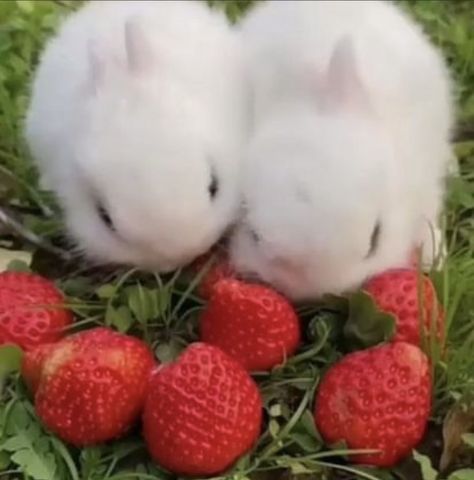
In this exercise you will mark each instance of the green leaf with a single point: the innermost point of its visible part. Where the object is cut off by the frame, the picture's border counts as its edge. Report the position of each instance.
(105, 291)
(427, 470)
(18, 266)
(324, 321)
(4, 460)
(164, 299)
(147, 304)
(120, 317)
(273, 428)
(92, 466)
(167, 352)
(18, 419)
(29, 448)
(38, 467)
(275, 410)
(14, 260)
(308, 424)
(306, 442)
(464, 474)
(468, 439)
(10, 359)
(367, 326)
(62, 451)
(26, 5)
(24, 439)
(243, 463)
(143, 303)
(305, 435)
(77, 286)
(298, 468)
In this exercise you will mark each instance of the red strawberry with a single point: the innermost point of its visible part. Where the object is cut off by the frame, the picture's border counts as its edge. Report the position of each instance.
(219, 270)
(377, 399)
(91, 386)
(396, 292)
(252, 323)
(30, 310)
(202, 412)
(32, 365)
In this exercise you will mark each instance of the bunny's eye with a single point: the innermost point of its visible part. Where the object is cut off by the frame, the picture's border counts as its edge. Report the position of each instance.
(213, 186)
(105, 217)
(253, 234)
(374, 240)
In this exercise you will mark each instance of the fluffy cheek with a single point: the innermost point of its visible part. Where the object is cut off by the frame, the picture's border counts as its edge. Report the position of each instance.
(245, 255)
(253, 261)
(94, 241)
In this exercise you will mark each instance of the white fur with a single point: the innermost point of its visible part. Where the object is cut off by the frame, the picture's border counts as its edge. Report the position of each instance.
(352, 119)
(133, 104)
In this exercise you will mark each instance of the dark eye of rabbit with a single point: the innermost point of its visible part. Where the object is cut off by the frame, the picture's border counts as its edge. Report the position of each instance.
(105, 217)
(254, 235)
(213, 186)
(374, 239)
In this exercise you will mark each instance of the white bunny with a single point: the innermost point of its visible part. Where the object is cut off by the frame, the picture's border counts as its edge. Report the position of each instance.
(136, 121)
(344, 171)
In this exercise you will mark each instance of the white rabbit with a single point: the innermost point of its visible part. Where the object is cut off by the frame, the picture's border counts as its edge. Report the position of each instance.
(350, 144)
(136, 121)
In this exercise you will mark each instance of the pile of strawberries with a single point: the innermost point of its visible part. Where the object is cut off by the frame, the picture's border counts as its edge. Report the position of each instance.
(203, 411)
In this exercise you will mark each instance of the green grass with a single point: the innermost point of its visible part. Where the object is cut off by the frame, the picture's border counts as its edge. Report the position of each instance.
(164, 311)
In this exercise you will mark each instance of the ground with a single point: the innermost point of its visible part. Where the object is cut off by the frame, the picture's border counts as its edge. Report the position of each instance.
(138, 304)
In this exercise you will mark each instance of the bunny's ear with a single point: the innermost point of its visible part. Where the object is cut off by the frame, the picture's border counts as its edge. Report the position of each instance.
(343, 83)
(137, 47)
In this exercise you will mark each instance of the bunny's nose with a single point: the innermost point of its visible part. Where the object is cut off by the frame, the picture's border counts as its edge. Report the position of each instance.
(294, 267)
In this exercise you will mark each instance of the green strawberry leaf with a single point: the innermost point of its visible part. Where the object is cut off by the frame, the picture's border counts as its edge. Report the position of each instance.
(23, 439)
(297, 468)
(77, 286)
(275, 410)
(106, 291)
(17, 265)
(16, 418)
(120, 317)
(307, 424)
(464, 474)
(5, 460)
(139, 304)
(322, 322)
(307, 443)
(26, 5)
(29, 448)
(62, 451)
(92, 466)
(243, 463)
(147, 304)
(366, 326)
(273, 428)
(427, 470)
(168, 352)
(38, 467)
(10, 360)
